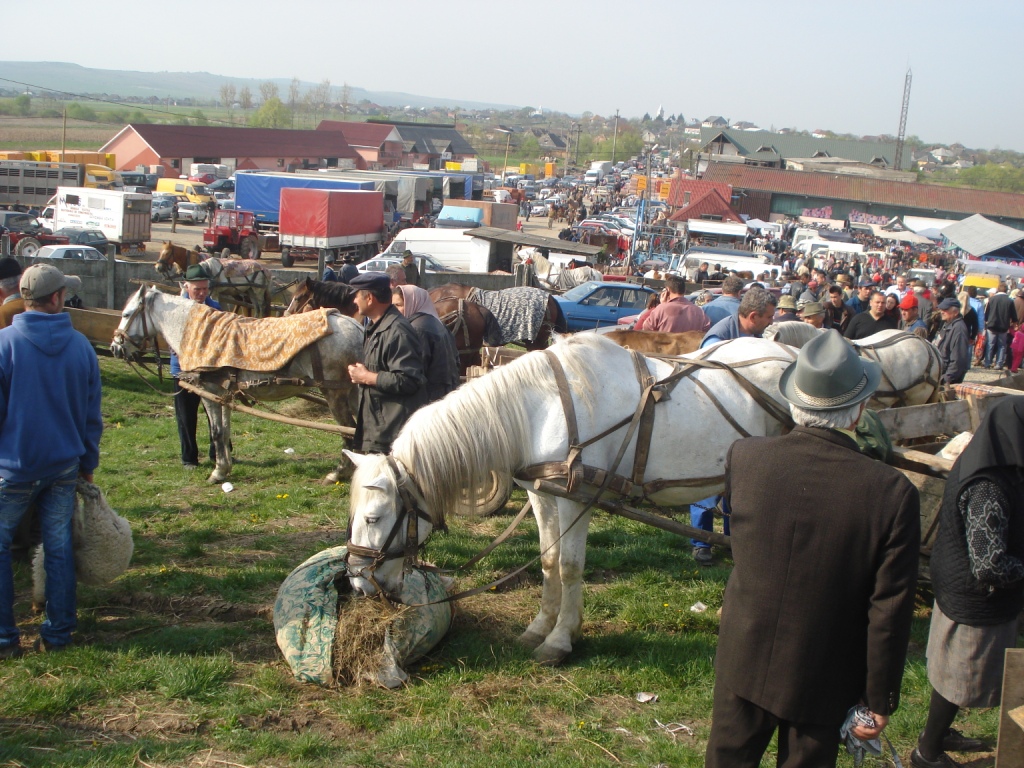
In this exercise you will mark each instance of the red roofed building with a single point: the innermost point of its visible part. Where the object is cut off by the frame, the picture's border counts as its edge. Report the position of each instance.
(710, 206)
(685, 191)
(380, 145)
(764, 191)
(176, 147)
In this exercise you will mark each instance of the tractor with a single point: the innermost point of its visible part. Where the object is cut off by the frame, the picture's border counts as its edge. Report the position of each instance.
(233, 231)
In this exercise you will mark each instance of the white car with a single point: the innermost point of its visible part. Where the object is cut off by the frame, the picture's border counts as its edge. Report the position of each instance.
(191, 213)
(424, 261)
(80, 252)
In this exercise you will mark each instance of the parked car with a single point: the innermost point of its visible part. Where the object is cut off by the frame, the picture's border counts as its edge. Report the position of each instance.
(203, 178)
(191, 213)
(424, 261)
(226, 205)
(90, 237)
(81, 252)
(222, 185)
(597, 304)
(539, 208)
(163, 208)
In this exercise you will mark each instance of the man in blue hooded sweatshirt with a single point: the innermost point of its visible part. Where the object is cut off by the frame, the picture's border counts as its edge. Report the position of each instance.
(50, 427)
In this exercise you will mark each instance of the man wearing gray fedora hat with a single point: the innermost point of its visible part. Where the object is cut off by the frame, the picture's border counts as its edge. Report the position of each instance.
(817, 611)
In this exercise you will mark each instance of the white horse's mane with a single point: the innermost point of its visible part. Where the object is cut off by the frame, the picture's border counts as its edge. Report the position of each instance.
(451, 447)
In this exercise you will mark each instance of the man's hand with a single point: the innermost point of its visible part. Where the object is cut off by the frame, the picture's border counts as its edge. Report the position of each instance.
(360, 374)
(87, 476)
(864, 733)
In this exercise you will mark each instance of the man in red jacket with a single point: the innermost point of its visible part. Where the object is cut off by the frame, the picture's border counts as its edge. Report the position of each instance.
(817, 611)
(676, 313)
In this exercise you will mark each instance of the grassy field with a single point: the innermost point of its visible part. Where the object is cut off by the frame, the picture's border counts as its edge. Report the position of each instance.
(177, 664)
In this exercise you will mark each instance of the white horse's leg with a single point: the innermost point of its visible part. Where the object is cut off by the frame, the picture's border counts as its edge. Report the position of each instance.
(340, 403)
(571, 558)
(220, 435)
(545, 510)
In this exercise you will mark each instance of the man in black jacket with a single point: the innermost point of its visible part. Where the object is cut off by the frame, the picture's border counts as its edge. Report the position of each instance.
(953, 344)
(999, 315)
(392, 383)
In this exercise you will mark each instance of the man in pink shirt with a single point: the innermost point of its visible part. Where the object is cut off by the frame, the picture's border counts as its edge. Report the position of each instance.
(676, 313)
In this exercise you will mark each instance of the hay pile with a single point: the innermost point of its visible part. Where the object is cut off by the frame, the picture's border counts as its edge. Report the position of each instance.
(359, 639)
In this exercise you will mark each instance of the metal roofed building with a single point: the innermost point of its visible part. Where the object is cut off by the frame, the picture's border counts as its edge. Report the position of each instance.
(771, 150)
(761, 192)
(176, 147)
(977, 236)
(430, 144)
(379, 144)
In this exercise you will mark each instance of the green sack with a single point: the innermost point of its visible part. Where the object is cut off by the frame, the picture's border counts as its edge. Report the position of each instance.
(306, 618)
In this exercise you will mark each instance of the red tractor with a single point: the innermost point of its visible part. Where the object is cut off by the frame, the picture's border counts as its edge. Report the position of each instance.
(234, 232)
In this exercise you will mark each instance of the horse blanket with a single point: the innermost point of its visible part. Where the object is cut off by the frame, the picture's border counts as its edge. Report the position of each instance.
(518, 311)
(215, 339)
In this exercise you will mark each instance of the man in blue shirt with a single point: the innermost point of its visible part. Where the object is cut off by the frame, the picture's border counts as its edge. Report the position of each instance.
(862, 301)
(726, 304)
(186, 404)
(50, 428)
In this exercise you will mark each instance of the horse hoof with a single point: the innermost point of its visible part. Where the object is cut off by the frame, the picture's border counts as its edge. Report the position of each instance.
(530, 639)
(547, 656)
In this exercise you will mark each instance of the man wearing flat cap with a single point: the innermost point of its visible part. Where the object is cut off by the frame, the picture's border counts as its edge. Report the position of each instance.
(391, 379)
(10, 291)
(50, 428)
(196, 286)
(953, 343)
(817, 611)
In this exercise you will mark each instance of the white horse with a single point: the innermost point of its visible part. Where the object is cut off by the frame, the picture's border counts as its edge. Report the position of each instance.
(515, 418)
(910, 364)
(149, 312)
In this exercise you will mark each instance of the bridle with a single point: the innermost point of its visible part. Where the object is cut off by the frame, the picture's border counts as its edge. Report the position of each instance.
(134, 351)
(364, 561)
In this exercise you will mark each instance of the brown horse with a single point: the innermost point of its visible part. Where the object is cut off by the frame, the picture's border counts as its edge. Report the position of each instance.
(175, 259)
(527, 316)
(313, 294)
(472, 325)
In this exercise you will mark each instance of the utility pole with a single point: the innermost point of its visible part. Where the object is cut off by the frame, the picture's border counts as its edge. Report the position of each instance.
(898, 162)
(615, 135)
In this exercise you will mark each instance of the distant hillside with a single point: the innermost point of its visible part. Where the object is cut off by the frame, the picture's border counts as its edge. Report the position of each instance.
(75, 79)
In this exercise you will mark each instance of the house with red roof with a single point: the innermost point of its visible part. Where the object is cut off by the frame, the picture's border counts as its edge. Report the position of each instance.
(709, 206)
(176, 147)
(379, 144)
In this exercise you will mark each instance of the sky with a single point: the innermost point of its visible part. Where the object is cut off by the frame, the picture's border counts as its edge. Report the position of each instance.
(784, 63)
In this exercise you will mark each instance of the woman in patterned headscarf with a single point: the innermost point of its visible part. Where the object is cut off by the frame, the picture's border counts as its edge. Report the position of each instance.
(440, 355)
(977, 569)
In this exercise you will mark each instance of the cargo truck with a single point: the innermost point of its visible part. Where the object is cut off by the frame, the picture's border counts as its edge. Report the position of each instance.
(123, 217)
(30, 183)
(261, 192)
(330, 224)
(500, 215)
(454, 248)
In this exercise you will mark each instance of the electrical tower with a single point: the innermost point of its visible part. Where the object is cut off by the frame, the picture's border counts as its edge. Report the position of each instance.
(903, 120)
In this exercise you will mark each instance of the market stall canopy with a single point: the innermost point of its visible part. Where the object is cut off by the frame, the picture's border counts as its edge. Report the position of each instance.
(980, 237)
(992, 268)
(923, 224)
(700, 227)
(901, 236)
(536, 241)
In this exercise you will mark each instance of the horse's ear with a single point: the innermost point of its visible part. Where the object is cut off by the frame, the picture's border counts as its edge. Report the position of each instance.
(355, 458)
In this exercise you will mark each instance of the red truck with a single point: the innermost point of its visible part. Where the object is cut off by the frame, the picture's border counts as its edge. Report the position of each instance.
(332, 222)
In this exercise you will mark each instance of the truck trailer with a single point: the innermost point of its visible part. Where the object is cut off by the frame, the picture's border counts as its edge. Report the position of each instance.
(261, 192)
(123, 217)
(30, 183)
(330, 223)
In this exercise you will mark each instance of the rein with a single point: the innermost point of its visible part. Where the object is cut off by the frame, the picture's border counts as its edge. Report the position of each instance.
(140, 349)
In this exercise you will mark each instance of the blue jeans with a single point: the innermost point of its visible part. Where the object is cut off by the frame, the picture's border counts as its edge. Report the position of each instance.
(54, 497)
(995, 342)
(702, 515)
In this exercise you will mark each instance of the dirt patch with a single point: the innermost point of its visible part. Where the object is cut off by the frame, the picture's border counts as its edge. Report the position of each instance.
(193, 609)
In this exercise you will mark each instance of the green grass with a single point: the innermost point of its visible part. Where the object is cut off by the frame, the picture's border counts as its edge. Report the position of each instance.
(177, 664)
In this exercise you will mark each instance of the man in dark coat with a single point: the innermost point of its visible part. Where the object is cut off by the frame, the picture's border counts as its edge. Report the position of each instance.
(817, 612)
(953, 344)
(392, 383)
(871, 322)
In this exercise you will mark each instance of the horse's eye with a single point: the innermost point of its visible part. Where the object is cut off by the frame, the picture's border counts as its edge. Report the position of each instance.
(371, 520)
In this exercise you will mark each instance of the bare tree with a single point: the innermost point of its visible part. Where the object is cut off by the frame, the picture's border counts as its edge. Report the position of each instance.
(268, 91)
(293, 97)
(346, 97)
(227, 95)
(321, 97)
(245, 98)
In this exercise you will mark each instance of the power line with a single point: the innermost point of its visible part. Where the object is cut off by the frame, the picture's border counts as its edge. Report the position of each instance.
(140, 108)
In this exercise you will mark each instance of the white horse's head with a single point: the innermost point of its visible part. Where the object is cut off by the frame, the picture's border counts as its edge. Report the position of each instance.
(133, 330)
(386, 523)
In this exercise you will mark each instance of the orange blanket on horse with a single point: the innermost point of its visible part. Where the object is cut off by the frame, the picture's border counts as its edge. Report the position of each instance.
(215, 339)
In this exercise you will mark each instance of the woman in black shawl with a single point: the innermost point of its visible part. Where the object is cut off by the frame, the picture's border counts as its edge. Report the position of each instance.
(977, 568)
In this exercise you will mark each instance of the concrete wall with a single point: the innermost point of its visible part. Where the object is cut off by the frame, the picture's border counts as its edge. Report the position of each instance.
(98, 285)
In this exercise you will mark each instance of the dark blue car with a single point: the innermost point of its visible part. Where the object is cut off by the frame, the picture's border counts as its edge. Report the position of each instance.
(597, 304)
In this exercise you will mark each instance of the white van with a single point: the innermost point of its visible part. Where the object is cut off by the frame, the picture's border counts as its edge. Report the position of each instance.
(449, 246)
(690, 263)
